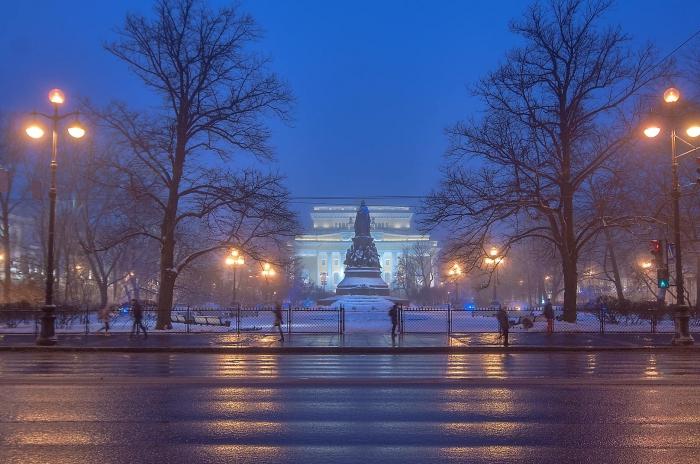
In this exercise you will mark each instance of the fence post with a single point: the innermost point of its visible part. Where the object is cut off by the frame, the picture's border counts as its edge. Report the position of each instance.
(342, 319)
(289, 319)
(87, 320)
(602, 320)
(401, 319)
(187, 319)
(449, 319)
(238, 318)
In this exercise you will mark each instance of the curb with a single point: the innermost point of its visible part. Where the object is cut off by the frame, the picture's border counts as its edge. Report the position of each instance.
(314, 350)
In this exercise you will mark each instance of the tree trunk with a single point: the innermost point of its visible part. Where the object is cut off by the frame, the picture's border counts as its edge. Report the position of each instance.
(570, 287)
(615, 268)
(7, 258)
(166, 289)
(168, 274)
(569, 254)
(697, 283)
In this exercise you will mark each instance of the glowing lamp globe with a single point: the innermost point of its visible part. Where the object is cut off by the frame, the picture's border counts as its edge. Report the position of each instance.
(35, 131)
(672, 95)
(693, 131)
(56, 97)
(652, 131)
(76, 131)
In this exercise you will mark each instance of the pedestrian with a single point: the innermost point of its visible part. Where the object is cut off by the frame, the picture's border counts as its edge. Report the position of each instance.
(503, 324)
(549, 315)
(137, 314)
(278, 320)
(105, 315)
(394, 316)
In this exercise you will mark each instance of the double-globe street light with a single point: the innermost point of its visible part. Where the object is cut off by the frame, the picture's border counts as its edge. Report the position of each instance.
(267, 272)
(674, 118)
(234, 260)
(455, 273)
(494, 259)
(47, 335)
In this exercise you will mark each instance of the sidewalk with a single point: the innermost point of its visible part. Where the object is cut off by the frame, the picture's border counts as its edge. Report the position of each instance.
(357, 343)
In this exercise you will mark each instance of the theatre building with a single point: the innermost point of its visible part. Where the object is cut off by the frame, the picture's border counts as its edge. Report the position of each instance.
(322, 250)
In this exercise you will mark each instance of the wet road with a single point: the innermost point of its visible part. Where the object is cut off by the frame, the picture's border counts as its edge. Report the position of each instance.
(185, 408)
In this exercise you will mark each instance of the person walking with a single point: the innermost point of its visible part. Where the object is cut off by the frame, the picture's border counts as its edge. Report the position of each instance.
(137, 314)
(549, 315)
(278, 320)
(394, 316)
(105, 316)
(503, 324)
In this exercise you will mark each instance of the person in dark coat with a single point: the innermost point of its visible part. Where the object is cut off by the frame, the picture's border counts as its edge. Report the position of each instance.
(549, 315)
(503, 324)
(137, 314)
(394, 316)
(278, 320)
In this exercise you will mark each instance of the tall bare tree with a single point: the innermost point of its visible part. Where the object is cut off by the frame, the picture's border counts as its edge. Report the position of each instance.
(11, 195)
(554, 115)
(216, 93)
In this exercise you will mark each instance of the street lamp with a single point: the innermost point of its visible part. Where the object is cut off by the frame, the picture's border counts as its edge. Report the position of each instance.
(234, 260)
(672, 97)
(455, 273)
(494, 259)
(267, 272)
(47, 335)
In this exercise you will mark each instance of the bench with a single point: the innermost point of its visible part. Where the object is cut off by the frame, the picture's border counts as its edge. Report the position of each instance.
(210, 320)
(199, 320)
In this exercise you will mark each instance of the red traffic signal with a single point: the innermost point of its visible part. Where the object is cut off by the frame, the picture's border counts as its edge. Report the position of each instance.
(655, 247)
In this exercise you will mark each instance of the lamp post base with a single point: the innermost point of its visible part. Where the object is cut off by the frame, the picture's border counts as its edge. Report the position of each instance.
(682, 336)
(47, 335)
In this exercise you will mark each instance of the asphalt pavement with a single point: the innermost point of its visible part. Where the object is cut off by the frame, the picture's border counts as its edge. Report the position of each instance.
(558, 407)
(356, 342)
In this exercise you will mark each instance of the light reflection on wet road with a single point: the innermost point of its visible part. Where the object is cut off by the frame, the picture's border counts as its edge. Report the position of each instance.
(521, 407)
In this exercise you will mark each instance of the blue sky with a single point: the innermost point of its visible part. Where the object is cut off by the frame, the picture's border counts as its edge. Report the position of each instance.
(376, 82)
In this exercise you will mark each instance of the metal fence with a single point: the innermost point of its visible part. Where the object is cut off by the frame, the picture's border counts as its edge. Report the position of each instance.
(324, 320)
(589, 320)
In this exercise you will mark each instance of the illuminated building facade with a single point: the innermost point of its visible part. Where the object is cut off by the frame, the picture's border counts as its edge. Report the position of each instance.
(322, 251)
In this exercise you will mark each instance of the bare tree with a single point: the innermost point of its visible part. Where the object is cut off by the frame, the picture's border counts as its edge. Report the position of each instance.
(554, 116)
(11, 195)
(216, 93)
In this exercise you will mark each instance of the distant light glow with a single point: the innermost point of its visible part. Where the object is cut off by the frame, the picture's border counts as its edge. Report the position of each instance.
(57, 97)
(652, 131)
(35, 131)
(693, 131)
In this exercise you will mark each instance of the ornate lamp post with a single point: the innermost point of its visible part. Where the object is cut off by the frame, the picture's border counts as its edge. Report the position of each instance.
(673, 118)
(267, 272)
(234, 260)
(455, 273)
(47, 335)
(494, 259)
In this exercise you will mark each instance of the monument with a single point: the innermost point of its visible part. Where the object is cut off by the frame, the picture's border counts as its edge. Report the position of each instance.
(363, 272)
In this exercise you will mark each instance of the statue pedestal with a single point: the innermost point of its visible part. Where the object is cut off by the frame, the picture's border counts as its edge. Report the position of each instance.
(362, 281)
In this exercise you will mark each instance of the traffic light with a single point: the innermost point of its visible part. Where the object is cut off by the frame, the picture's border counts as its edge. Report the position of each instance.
(662, 277)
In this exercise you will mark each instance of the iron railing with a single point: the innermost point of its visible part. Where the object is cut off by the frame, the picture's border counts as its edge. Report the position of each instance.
(319, 320)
